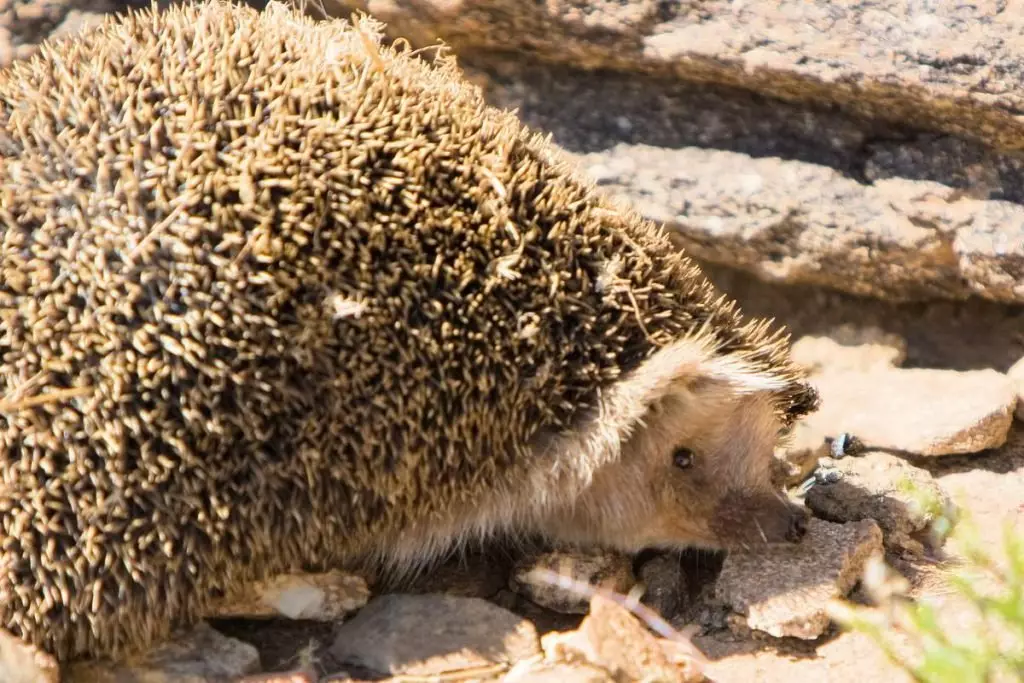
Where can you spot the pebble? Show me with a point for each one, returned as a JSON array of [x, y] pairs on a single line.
[[202, 655], [872, 486], [434, 636], [328, 596], [783, 591], [611, 638], [612, 571]]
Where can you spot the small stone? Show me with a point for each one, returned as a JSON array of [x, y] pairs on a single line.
[[202, 655], [434, 635], [850, 348], [21, 662], [873, 486], [1016, 373], [664, 584], [614, 640], [783, 591], [918, 411], [328, 596], [613, 571]]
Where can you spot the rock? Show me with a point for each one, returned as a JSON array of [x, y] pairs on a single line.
[[1016, 373], [784, 591], [948, 67], [664, 581], [201, 655], [873, 487], [24, 663], [561, 30], [613, 571], [328, 596], [849, 348], [612, 639], [434, 635], [797, 222], [24, 24], [919, 411]]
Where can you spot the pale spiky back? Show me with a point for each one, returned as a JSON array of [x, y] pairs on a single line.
[[269, 291]]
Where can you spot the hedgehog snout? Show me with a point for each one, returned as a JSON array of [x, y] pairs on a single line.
[[767, 518]]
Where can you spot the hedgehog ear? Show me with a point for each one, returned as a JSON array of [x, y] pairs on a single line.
[[736, 375], [685, 368], [688, 366]]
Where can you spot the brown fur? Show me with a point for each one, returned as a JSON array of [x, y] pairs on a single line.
[[276, 297]]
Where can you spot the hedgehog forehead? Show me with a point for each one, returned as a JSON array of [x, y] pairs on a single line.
[[717, 416]]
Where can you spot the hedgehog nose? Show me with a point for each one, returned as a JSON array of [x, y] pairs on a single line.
[[797, 526]]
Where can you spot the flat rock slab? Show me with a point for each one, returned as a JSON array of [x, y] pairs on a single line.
[[873, 487], [434, 635], [784, 591], [798, 222], [202, 655], [917, 411], [608, 570], [325, 596], [953, 67]]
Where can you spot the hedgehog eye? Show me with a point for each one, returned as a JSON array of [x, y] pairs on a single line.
[[682, 458]]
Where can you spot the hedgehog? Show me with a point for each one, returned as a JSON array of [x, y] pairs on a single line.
[[277, 295]]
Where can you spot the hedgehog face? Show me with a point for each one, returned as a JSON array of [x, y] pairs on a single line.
[[705, 459], [692, 465]]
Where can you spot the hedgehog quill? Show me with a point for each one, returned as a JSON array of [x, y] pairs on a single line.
[[276, 297]]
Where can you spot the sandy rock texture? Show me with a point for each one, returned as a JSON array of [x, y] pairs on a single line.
[[783, 591], [1016, 373], [921, 411], [868, 147], [434, 635]]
